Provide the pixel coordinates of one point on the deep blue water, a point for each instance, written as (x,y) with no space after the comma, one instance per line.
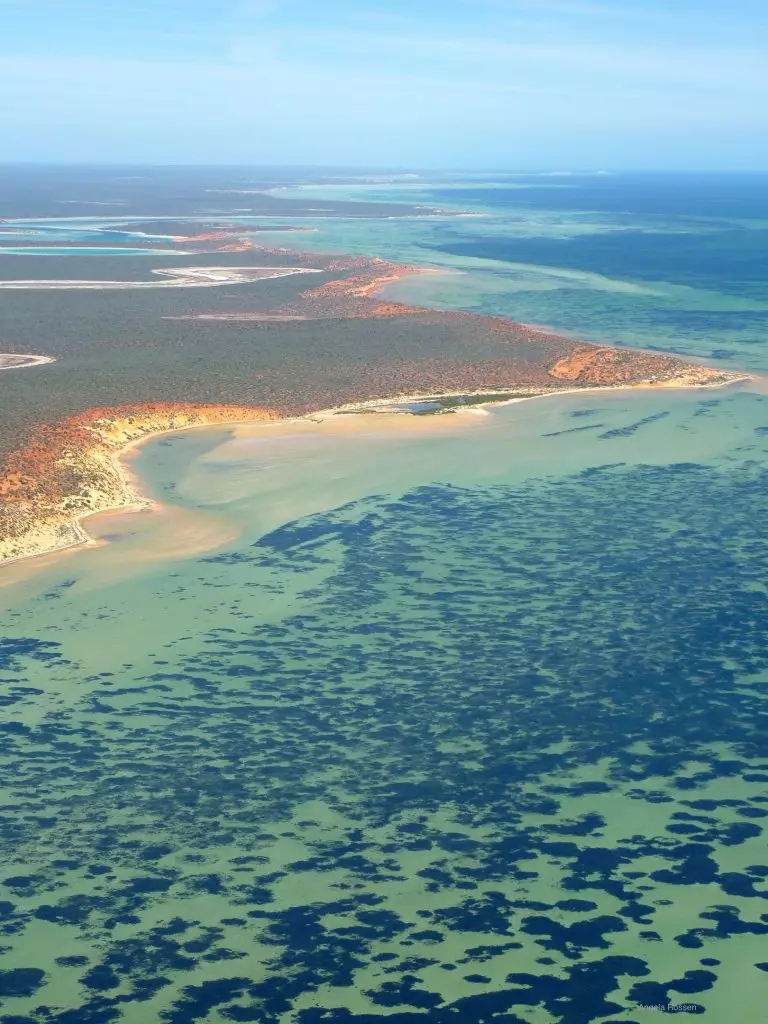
(695,231)
(740,195)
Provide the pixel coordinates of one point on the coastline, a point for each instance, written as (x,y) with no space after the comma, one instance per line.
(92,447)
(131,498)
(385,404)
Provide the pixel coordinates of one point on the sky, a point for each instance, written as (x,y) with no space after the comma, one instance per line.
(476,84)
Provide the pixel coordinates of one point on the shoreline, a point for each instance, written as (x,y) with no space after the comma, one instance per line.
(94,445)
(385,404)
(133,500)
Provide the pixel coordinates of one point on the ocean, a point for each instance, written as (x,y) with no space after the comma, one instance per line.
(432,718)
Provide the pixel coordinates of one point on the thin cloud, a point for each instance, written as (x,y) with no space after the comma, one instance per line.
(523,63)
(547,82)
(569,7)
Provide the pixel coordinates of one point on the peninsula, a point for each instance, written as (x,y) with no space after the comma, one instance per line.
(272,347)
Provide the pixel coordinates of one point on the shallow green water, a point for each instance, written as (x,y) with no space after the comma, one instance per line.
(468,725)
(665,261)
(486,746)
(62,250)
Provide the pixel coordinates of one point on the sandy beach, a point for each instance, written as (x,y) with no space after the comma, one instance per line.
(384,406)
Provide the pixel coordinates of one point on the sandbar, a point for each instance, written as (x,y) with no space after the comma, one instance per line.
(11,361)
(181,277)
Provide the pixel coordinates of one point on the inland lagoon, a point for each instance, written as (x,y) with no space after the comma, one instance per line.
(458,716)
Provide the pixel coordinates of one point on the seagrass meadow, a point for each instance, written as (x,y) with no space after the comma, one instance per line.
(485,751)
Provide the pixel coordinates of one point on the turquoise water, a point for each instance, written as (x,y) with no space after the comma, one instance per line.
(454,717)
(77,229)
(672,262)
(82,250)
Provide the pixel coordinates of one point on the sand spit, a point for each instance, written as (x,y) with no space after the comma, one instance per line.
(11,361)
(245,317)
(181,277)
(481,401)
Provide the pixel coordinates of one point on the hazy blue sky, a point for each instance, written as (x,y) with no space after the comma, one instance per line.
(453,83)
